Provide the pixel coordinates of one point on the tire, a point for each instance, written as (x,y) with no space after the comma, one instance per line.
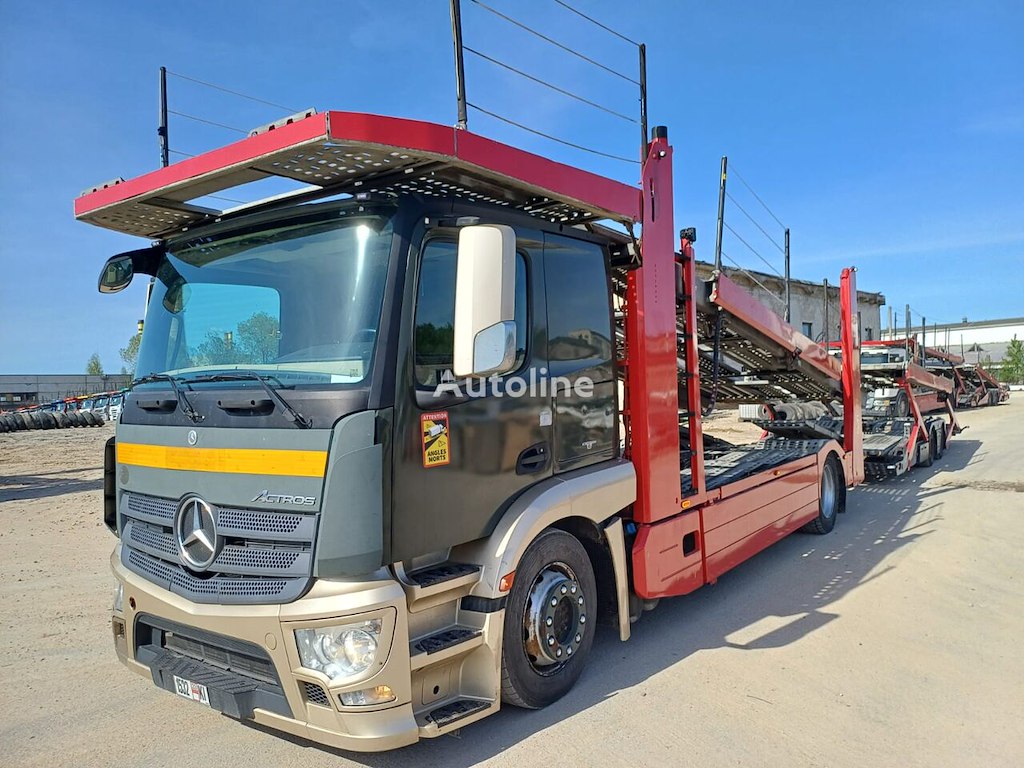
(89,419)
(932,442)
(538,665)
(100,420)
(831,498)
(26,420)
(901,407)
(940,442)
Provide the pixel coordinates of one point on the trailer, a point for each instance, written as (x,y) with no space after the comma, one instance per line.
(893,444)
(383,517)
(901,428)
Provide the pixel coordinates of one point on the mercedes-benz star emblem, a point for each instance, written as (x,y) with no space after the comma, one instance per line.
(195,530)
(193,437)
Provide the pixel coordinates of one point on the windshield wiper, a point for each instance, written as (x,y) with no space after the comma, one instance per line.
(264,381)
(186,407)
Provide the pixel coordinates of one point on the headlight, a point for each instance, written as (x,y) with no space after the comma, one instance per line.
(119,598)
(341,651)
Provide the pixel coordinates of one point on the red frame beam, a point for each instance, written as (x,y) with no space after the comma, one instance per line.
(651,343)
(746,308)
(497,161)
(853,426)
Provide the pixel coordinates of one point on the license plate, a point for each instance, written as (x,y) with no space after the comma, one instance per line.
(190,690)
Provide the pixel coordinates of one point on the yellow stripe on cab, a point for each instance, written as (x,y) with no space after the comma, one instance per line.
(242,461)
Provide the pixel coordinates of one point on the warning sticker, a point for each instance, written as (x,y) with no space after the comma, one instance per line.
(436,440)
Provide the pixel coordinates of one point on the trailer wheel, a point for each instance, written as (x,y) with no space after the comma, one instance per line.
(930,446)
(831,497)
(901,406)
(940,441)
(549,621)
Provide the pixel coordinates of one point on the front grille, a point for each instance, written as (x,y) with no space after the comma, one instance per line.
(265,555)
(316,695)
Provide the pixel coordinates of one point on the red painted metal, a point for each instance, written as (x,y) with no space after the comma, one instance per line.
(691,374)
(238,154)
(915,374)
(207,173)
(853,426)
(651,341)
(743,525)
(741,304)
(562,182)
(660,569)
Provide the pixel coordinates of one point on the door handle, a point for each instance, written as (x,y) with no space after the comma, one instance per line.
(533,459)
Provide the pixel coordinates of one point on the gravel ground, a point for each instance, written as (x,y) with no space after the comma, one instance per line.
(891,642)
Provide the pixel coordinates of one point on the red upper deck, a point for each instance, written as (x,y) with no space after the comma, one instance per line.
(352,152)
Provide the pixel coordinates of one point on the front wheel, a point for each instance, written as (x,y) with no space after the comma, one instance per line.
(549,621)
(831,497)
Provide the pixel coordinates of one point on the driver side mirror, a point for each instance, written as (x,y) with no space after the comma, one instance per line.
(485,328)
(119,270)
(116,275)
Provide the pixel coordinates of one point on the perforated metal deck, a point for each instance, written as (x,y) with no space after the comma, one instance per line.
(722,468)
(343,152)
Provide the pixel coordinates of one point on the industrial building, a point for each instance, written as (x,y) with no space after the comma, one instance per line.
(21,391)
(807,300)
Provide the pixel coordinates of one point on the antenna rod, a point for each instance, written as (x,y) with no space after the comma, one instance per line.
(161,130)
(643,102)
(460,69)
(906,333)
(721,216)
(924,336)
(825,332)
(789,303)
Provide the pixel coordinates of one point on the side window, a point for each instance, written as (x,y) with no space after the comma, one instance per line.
(435,312)
(579,320)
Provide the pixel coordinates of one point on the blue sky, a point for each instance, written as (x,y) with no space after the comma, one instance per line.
(886,135)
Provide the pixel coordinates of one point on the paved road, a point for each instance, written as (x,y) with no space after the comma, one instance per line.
(894,641)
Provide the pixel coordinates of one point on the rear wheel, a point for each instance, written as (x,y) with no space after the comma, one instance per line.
(901,406)
(928,460)
(549,621)
(940,442)
(831,497)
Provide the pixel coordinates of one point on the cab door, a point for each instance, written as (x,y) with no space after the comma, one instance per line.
(464,449)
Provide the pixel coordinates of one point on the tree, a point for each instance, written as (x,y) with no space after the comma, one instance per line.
(1013,364)
(94,367)
(217,349)
(254,342)
(130,353)
(258,338)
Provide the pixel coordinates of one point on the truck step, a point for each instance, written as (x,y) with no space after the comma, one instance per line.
(454,711)
(437,574)
(443,645)
(437,584)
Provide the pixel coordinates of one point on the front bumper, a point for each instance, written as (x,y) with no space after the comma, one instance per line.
(281,694)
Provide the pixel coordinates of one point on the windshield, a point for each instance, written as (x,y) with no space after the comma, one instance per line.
(299,301)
